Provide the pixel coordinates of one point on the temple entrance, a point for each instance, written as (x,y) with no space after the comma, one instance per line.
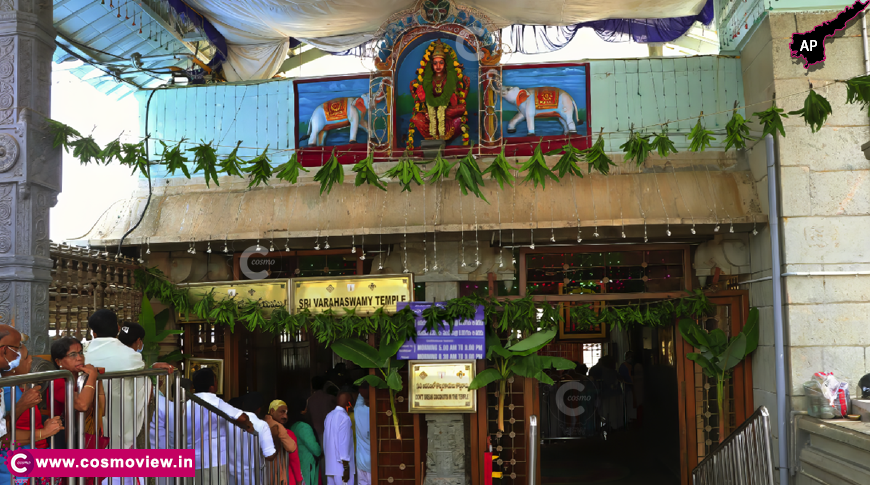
(609,425)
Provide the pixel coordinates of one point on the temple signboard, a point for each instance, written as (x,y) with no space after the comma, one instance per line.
(365,294)
(467,339)
(442,387)
(270,294)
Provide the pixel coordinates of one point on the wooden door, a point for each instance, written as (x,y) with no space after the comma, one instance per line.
(700,423)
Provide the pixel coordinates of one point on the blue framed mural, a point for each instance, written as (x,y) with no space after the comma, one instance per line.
(420,74)
(545,101)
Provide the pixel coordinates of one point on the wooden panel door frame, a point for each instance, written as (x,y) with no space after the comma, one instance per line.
(741,379)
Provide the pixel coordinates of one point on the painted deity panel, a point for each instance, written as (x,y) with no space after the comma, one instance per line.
(437,80)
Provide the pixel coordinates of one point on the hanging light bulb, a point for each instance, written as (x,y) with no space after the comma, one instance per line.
(326,244)
(476,263)
(353,250)
(716,229)
(258,244)
(595,234)
(754,231)
(208,250)
(363,257)
(693,229)
(435,267)
(148,248)
(532,246)
(668,232)
(463,264)
(623,234)
(317,247)
(225,247)
(731,229)
(287,244)
(425,269)
(552,239)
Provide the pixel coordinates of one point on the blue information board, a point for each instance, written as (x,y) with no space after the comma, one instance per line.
(466,341)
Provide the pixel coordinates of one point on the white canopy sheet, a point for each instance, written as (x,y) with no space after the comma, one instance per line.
(258,31)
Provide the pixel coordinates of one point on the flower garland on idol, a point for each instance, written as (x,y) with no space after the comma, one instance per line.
(436,107)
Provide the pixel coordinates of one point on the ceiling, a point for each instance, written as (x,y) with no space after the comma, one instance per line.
(92,35)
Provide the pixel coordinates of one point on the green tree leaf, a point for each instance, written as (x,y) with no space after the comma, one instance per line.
(484,378)
(394,380)
(733,353)
(358,352)
(62,134)
(858,91)
(771,120)
(289,170)
(205,160)
(815,111)
(597,158)
(662,144)
(533,342)
(536,169)
(737,132)
(637,148)
(259,169)
(568,162)
(699,138)
(86,150)
(750,330)
(440,170)
(330,174)
(365,173)
(174,158)
(500,170)
(372,380)
(469,176)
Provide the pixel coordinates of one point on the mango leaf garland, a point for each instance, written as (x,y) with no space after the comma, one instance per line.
(110,151)
(858,92)
(174,159)
(637,148)
(737,132)
(597,158)
(500,170)
(134,157)
(536,169)
(662,144)
(205,160)
(259,169)
(232,165)
(469,176)
(815,111)
(365,173)
(329,174)
(406,171)
(440,170)
(289,170)
(699,138)
(771,120)
(86,150)
(62,134)
(567,163)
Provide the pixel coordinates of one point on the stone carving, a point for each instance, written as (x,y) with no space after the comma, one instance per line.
(5,218)
(7,71)
(5,306)
(8,149)
(6,6)
(445,459)
(25,71)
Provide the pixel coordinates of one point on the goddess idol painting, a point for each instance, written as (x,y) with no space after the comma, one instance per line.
(440,93)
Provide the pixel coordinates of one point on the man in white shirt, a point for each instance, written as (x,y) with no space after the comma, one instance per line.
(206,432)
(338,443)
(240,454)
(131,402)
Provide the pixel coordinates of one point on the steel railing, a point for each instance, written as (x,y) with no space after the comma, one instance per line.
(29,381)
(245,463)
(278,470)
(744,458)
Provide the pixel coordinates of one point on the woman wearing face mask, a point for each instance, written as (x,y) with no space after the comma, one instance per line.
(22,426)
(66,353)
(131,335)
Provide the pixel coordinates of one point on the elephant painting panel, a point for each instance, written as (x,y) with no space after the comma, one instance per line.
(545,101)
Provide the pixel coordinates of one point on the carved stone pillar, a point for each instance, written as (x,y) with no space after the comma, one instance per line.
(446,457)
(30,169)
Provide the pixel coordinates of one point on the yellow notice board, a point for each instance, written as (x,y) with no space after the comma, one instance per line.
(271,294)
(442,386)
(365,293)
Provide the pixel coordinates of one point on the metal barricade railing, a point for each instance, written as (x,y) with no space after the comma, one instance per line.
(744,458)
(29,381)
(131,394)
(278,470)
(244,463)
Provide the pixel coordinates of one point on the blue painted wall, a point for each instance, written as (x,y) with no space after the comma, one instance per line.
(643,92)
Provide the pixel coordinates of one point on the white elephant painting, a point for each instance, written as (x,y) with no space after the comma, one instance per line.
(338,113)
(541,102)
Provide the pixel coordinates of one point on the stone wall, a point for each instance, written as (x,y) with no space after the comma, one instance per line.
(825,208)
